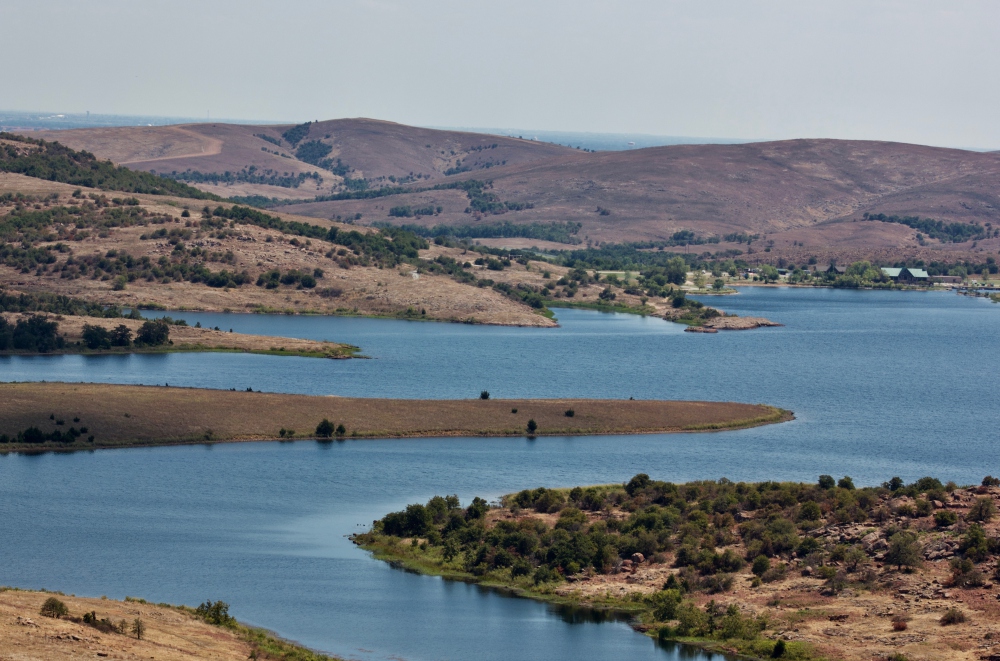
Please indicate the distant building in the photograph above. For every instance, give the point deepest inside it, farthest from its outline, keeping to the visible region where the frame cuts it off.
(836, 270)
(947, 279)
(908, 275)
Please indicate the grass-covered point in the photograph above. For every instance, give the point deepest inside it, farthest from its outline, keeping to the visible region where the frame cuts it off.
(677, 556)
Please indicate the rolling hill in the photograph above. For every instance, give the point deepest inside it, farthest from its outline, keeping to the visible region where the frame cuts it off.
(796, 197)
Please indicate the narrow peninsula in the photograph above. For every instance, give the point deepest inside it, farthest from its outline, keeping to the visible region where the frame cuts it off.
(71, 416)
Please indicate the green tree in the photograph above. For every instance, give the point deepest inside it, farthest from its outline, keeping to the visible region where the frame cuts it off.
(153, 333)
(903, 551)
(983, 510)
(719, 284)
(532, 426)
(121, 336)
(96, 337)
(54, 608)
(325, 429)
(826, 482)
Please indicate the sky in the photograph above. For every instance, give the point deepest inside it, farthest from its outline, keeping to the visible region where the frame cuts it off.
(908, 70)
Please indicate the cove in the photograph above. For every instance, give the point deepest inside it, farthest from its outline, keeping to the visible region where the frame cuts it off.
(882, 383)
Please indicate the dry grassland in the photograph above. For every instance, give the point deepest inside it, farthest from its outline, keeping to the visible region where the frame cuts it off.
(171, 634)
(158, 415)
(358, 290)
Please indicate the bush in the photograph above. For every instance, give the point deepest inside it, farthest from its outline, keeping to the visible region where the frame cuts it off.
(899, 622)
(484, 394)
(54, 608)
(990, 481)
(903, 551)
(215, 612)
(325, 429)
(952, 616)
(779, 649)
(760, 565)
(983, 510)
(826, 482)
(945, 518)
(532, 426)
(570, 413)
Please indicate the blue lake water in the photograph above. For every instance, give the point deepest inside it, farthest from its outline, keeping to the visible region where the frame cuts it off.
(882, 384)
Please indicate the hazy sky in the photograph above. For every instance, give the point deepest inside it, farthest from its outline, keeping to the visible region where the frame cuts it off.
(908, 70)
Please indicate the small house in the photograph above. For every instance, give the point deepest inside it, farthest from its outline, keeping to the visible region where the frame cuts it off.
(891, 273)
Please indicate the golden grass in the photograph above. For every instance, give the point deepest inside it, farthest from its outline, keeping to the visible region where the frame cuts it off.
(118, 415)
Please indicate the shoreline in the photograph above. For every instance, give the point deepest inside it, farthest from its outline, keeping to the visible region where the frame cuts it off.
(756, 570)
(79, 416)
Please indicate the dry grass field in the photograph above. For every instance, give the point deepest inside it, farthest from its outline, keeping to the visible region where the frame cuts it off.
(170, 634)
(158, 415)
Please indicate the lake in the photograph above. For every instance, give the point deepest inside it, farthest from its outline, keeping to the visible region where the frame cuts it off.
(882, 384)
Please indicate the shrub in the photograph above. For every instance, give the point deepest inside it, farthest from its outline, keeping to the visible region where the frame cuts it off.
(983, 510)
(826, 482)
(903, 551)
(570, 413)
(760, 565)
(54, 608)
(778, 650)
(341, 430)
(952, 616)
(484, 394)
(899, 622)
(990, 481)
(846, 483)
(944, 518)
(215, 612)
(325, 429)
(532, 426)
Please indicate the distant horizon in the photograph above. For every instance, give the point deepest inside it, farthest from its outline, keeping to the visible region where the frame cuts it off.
(63, 121)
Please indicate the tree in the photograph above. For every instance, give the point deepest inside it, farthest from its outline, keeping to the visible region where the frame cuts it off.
(153, 333)
(532, 426)
(325, 429)
(121, 336)
(826, 482)
(484, 394)
(676, 271)
(903, 551)
(96, 337)
(982, 510)
(341, 429)
(846, 483)
(768, 273)
(719, 284)
(138, 628)
(54, 608)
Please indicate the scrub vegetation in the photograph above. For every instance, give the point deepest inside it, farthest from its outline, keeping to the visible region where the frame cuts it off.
(713, 562)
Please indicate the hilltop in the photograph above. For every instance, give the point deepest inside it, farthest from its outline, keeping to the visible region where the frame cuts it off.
(798, 197)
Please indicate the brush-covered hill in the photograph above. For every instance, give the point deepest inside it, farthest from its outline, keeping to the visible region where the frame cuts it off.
(799, 198)
(304, 160)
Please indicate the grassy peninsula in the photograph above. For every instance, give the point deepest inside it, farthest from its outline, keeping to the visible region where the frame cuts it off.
(69, 416)
(764, 570)
(51, 626)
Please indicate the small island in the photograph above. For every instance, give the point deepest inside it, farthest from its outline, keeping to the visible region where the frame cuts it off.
(72, 416)
(762, 570)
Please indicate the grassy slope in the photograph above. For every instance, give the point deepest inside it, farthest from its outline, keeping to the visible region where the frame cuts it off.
(141, 415)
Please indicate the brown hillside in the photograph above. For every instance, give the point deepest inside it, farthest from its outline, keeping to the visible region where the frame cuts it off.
(373, 150)
(796, 193)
